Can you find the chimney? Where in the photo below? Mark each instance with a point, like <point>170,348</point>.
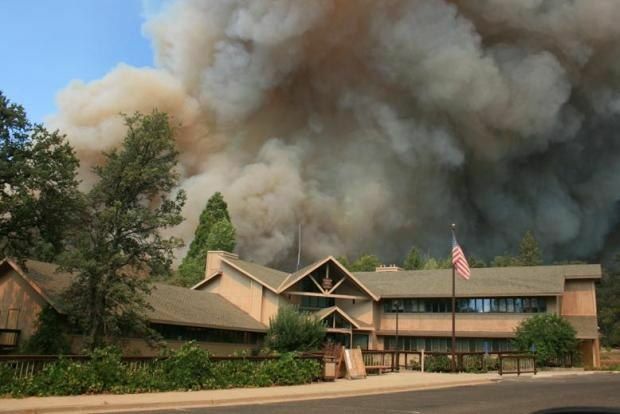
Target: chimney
<point>214,261</point>
<point>390,268</point>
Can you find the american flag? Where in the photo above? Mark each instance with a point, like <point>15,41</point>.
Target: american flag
<point>458,260</point>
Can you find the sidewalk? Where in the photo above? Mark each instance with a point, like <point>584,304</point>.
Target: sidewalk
<point>376,384</point>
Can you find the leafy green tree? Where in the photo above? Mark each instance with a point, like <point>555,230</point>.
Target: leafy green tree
<point>39,200</point>
<point>365,263</point>
<point>432,263</point>
<point>214,232</point>
<point>505,261</point>
<point>291,330</point>
<point>49,337</point>
<point>608,303</point>
<point>529,251</point>
<point>119,245</point>
<point>414,260</point>
<point>552,336</point>
<point>344,260</point>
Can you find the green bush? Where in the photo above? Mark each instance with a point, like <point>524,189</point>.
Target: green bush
<point>49,337</point>
<point>292,331</point>
<point>437,363</point>
<point>553,337</point>
<point>188,368</point>
<point>473,363</point>
<point>491,364</point>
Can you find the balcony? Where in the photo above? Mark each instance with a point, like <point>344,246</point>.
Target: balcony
<point>9,338</point>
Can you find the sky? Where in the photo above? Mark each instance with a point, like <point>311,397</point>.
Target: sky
<point>44,45</point>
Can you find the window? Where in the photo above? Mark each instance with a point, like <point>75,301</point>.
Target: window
<point>467,305</point>
<point>315,302</point>
<point>188,333</point>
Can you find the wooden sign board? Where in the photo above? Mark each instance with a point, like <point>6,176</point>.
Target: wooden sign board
<point>354,363</point>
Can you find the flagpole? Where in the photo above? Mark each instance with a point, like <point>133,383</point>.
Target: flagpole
<point>453,310</point>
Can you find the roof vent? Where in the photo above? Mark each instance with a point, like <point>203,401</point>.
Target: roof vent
<point>390,268</point>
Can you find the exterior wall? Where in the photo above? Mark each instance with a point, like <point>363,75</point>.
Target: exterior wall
<point>20,301</point>
<point>214,261</point>
<point>241,291</point>
<point>270,304</point>
<point>579,298</point>
<point>442,322</point>
<point>140,347</point>
<point>361,309</point>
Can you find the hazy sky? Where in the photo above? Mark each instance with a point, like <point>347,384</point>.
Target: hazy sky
<point>46,44</point>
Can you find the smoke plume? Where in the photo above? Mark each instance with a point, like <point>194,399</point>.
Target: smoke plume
<point>376,123</point>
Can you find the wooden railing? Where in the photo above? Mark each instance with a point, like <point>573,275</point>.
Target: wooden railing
<point>27,365</point>
<point>392,360</point>
<point>517,364</point>
<point>9,338</point>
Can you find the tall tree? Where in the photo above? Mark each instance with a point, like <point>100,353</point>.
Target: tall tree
<point>529,251</point>
<point>39,200</point>
<point>414,260</point>
<point>119,243</point>
<point>365,263</point>
<point>214,232</point>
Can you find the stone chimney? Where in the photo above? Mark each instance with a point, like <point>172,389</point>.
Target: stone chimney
<point>390,268</point>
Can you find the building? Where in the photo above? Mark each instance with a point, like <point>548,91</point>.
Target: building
<point>360,309</point>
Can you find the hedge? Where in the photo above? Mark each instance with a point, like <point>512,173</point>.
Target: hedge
<point>188,368</point>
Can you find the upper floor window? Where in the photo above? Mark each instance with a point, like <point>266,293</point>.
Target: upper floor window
<point>315,302</point>
<point>467,305</point>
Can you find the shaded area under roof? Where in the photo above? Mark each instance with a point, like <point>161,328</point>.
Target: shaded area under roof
<point>491,281</point>
<point>171,304</point>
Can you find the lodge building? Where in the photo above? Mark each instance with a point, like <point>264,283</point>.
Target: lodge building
<point>229,310</point>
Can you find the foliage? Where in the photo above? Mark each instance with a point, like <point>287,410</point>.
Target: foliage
<point>365,263</point>
<point>437,363</point>
<point>214,232</point>
<point>118,242</point>
<point>188,368</point>
<point>505,261</point>
<point>552,336</point>
<point>49,337</point>
<point>529,251</point>
<point>432,264</point>
<point>414,260</point>
<point>291,330</point>
<point>38,197</point>
<point>608,303</point>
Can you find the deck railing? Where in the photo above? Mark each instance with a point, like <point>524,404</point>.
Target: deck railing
<point>392,360</point>
<point>28,365</point>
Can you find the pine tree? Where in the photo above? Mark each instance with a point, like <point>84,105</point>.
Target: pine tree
<point>414,260</point>
<point>214,232</point>
<point>529,251</point>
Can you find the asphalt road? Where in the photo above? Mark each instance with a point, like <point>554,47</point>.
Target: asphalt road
<point>511,395</point>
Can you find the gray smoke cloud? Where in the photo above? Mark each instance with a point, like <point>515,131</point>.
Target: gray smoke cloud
<point>376,124</point>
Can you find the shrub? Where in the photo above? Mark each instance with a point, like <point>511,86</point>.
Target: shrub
<point>48,338</point>
<point>184,369</point>
<point>473,363</point>
<point>437,363</point>
<point>291,331</point>
<point>552,336</point>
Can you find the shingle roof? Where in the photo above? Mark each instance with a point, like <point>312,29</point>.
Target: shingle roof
<point>171,304</point>
<point>271,277</point>
<point>182,306</point>
<point>496,281</point>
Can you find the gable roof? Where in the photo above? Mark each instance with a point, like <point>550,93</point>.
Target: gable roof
<point>300,274</point>
<point>171,304</point>
<point>491,281</point>
<point>271,278</point>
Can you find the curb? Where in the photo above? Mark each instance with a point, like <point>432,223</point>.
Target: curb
<point>125,407</point>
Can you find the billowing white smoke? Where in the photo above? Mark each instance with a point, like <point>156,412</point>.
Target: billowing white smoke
<point>377,123</point>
